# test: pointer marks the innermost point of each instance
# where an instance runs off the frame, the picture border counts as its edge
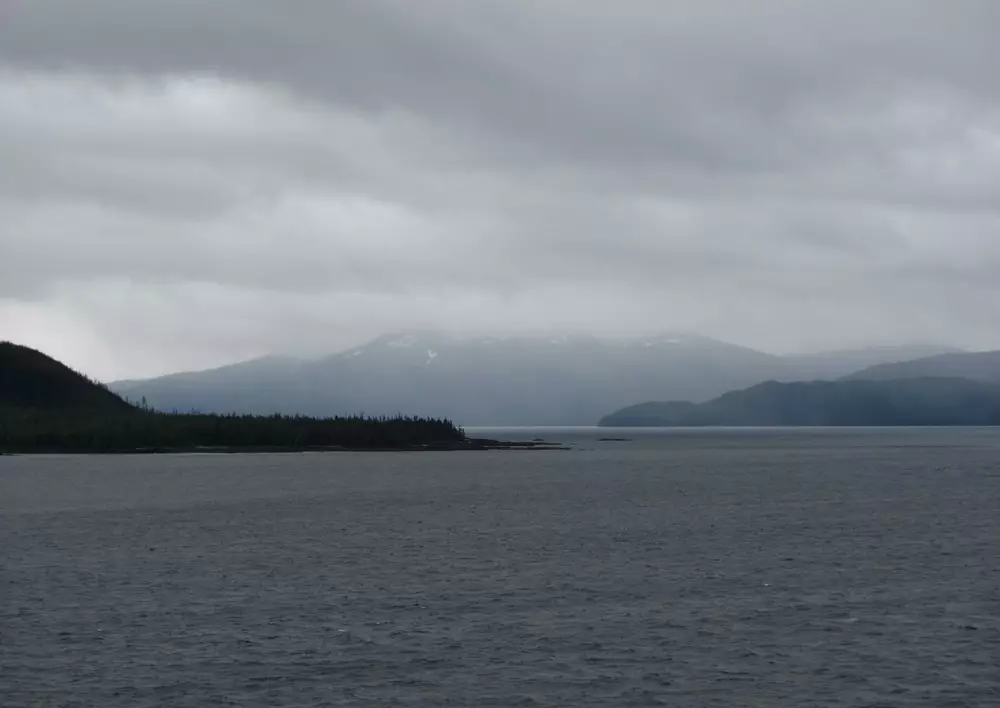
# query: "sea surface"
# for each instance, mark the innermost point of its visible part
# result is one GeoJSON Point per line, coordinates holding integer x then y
{"type": "Point", "coordinates": [678, 568]}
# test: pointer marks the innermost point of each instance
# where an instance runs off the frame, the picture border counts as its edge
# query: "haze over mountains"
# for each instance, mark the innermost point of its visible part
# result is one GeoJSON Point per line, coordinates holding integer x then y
{"type": "Point", "coordinates": [539, 380]}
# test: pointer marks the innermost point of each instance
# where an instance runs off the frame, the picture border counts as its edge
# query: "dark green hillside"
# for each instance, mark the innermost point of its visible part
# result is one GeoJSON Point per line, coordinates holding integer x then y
{"type": "Point", "coordinates": [926, 401]}
{"type": "Point", "coordinates": [30, 379]}
{"type": "Point", "coordinates": [47, 407]}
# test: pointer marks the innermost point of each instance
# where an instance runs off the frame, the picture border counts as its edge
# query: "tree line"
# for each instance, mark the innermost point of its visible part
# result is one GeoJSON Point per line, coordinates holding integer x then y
{"type": "Point", "coordinates": [68, 431]}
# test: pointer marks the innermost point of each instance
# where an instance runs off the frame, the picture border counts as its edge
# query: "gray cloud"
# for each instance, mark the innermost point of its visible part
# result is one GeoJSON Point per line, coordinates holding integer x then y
{"type": "Point", "coordinates": [789, 174]}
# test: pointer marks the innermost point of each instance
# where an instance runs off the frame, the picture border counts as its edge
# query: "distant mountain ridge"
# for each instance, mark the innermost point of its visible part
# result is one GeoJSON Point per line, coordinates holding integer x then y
{"type": "Point", "coordinates": [898, 402]}
{"type": "Point", "coordinates": [565, 379]}
{"type": "Point", "coordinates": [844, 362]}
{"type": "Point", "coordinates": [977, 366]}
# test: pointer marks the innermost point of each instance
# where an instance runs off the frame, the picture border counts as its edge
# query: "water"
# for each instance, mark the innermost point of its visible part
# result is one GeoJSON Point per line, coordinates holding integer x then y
{"type": "Point", "coordinates": [683, 568]}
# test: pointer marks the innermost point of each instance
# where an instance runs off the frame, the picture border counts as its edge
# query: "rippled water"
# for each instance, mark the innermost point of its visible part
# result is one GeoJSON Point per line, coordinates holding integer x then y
{"type": "Point", "coordinates": [709, 568]}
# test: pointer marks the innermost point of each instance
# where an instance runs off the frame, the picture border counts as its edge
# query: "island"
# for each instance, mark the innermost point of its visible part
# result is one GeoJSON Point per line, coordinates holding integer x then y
{"type": "Point", "coordinates": [47, 407]}
{"type": "Point", "coordinates": [929, 401]}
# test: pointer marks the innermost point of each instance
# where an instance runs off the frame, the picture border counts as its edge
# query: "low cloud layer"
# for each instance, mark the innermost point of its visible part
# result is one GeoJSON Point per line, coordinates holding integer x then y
{"type": "Point", "coordinates": [189, 183]}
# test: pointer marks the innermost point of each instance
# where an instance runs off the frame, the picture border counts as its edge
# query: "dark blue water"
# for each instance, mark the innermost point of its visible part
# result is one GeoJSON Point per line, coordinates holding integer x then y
{"type": "Point", "coordinates": [681, 568]}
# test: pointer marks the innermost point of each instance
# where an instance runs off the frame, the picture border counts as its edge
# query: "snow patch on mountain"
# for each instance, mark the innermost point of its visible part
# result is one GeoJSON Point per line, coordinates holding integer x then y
{"type": "Point", "coordinates": [404, 342]}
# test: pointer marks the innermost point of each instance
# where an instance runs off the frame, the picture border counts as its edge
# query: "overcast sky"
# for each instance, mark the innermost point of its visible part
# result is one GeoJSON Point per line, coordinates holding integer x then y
{"type": "Point", "coordinates": [185, 183]}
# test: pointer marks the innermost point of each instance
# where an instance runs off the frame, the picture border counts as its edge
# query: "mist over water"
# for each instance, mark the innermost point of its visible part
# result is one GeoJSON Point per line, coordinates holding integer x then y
{"type": "Point", "coordinates": [694, 568]}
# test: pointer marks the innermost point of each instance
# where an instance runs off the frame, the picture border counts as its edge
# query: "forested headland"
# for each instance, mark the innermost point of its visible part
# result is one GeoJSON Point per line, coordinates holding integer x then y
{"type": "Point", "coordinates": [46, 407]}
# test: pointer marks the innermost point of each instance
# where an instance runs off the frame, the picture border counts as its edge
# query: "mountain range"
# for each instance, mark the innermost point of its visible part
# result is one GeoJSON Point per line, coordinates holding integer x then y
{"type": "Point", "coordinates": [550, 380]}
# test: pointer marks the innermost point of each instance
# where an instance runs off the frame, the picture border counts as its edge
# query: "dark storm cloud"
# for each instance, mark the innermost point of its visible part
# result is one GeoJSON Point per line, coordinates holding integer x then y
{"type": "Point", "coordinates": [783, 172]}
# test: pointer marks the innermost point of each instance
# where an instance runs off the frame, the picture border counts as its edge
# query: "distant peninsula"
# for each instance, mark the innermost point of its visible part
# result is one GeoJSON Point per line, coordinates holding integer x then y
{"type": "Point", "coordinates": [46, 407]}
{"type": "Point", "coordinates": [904, 402]}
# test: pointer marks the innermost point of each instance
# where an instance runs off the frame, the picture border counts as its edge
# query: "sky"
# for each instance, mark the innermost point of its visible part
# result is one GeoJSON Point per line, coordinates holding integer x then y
{"type": "Point", "coordinates": [187, 183]}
